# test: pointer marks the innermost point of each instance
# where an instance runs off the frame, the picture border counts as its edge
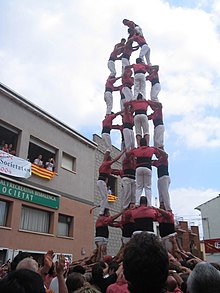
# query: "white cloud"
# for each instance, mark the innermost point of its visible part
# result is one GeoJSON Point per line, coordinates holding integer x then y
{"type": "Point", "coordinates": [59, 54]}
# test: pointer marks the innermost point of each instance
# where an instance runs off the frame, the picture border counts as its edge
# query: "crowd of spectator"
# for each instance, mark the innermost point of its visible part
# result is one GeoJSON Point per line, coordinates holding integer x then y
{"type": "Point", "coordinates": [8, 148]}
{"type": "Point", "coordinates": [49, 164]}
{"type": "Point", "coordinates": [145, 266]}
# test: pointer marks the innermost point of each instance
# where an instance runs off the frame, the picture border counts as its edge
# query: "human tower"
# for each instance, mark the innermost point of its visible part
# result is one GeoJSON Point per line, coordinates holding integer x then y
{"type": "Point", "coordinates": [134, 104]}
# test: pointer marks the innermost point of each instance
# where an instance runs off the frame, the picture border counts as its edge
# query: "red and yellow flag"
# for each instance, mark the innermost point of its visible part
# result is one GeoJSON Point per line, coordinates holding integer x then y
{"type": "Point", "coordinates": [42, 172]}
{"type": "Point", "coordinates": [112, 198]}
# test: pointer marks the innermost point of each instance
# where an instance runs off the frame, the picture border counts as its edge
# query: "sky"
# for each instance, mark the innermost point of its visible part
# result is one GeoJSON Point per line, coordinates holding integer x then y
{"type": "Point", "coordinates": [54, 53]}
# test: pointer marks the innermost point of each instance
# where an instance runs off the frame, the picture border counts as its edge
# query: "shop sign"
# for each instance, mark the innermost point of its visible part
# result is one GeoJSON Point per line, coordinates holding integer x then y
{"type": "Point", "coordinates": [22, 192]}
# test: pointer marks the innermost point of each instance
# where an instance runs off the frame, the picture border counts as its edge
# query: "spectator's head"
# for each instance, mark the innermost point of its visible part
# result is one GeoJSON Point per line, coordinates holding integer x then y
{"type": "Point", "coordinates": [22, 281]}
{"type": "Point", "coordinates": [78, 269]}
{"type": "Point", "coordinates": [107, 259]}
{"type": "Point", "coordinates": [112, 267]}
{"type": "Point", "coordinates": [21, 255]}
{"type": "Point", "coordinates": [204, 279]}
{"type": "Point", "coordinates": [97, 273]}
{"type": "Point", "coordinates": [143, 142]}
{"type": "Point", "coordinates": [145, 264]}
{"type": "Point", "coordinates": [143, 201]}
{"type": "Point", "coordinates": [87, 289]}
{"type": "Point", "coordinates": [74, 281]}
{"type": "Point", "coordinates": [123, 41]}
{"type": "Point", "coordinates": [28, 263]}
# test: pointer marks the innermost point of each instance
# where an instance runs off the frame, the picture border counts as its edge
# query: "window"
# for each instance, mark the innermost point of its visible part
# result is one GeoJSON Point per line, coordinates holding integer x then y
{"type": "Point", "coordinates": [4, 208]}
{"type": "Point", "coordinates": [65, 225]}
{"type": "Point", "coordinates": [35, 220]}
{"type": "Point", "coordinates": [9, 136]}
{"type": "Point", "coordinates": [68, 162]}
{"type": "Point", "coordinates": [112, 185]}
{"type": "Point", "coordinates": [37, 147]}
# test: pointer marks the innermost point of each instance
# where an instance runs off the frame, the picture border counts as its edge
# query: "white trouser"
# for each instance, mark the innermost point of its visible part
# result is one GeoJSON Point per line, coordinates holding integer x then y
{"type": "Point", "coordinates": [125, 240]}
{"type": "Point", "coordinates": [139, 85]}
{"type": "Point", "coordinates": [103, 194]}
{"type": "Point", "coordinates": [159, 136]}
{"type": "Point", "coordinates": [145, 52]}
{"type": "Point", "coordinates": [163, 184]}
{"type": "Point", "coordinates": [122, 102]}
{"type": "Point", "coordinates": [141, 124]}
{"type": "Point", "coordinates": [155, 89]}
{"type": "Point", "coordinates": [128, 138]}
{"type": "Point", "coordinates": [128, 192]}
{"type": "Point", "coordinates": [107, 141]}
{"type": "Point", "coordinates": [138, 30]}
{"type": "Point", "coordinates": [125, 62]}
{"type": "Point", "coordinates": [111, 67]}
{"type": "Point", "coordinates": [143, 181]}
{"type": "Point", "coordinates": [109, 102]}
{"type": "Point", "coordinates": [101, 240]}
{"type": "Point", "coordinates": [128, 94]}
{"type": "Point", "coordinates": [167, 243]}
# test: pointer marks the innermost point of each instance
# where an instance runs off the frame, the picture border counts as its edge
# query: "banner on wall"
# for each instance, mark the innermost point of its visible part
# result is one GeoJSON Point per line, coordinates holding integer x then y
{"type": "Point", "coordinates": [42, 172]}
{"type": "Point", "coordinates": [212, 245]}
{"type": "Point", "coordinates": [14, 166]}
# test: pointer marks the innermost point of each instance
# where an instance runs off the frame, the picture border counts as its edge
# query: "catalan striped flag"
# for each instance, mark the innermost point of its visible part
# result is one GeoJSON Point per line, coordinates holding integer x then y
{"type": "Point", "coordinates": [42, 172]}
{"type": "Point", "coordinates": [112, 198]}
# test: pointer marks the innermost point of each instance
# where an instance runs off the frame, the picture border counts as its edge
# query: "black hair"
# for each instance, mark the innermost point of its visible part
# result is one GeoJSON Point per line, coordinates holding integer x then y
{"type": "Point", "coordinates": [143, 142]}
{"type": "Point", "coordinates": [139, 96]}
{"type": "Point", "coordinates": [20, 256]}
{"type": "Point", "coordinates": [143, 200]}
{"type": "Point", "coordinates": [78, 269]}
{"type": "Point", "coordinates": [74, 281]}
{"type": "Point", "coordinates": [139, 60]}
{"type": "Point", "coordinates": [22, 281]}
{"type": "Point", "coordinates": [145, 264]}
{"type": "Point", "coordinates": [97, 273]}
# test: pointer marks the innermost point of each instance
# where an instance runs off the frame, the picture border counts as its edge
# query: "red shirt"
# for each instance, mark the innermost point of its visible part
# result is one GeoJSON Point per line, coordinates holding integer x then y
{"type": "Point", "coordinates": [144, 151]}
{"type": "Point", "coordinates": [162, 219]}
{"type": "Point", "coordinates": [107, 122]}
{"type": "Point", "coordinates": [103, 221]}
{"type": "Point", "coordinates": [121, 286]}
{"type": "Point", "coordinates": [106, 167]}
{"type": "Point", "coordinates": [110, 84]}
{"type": "Point", "coordinates": [138, 39]}
{"type": "Point", "coordinates": [127, 80]}
{"type": "Point", "coordinates": [127, 118]}
{"type": "Point", "coordinates": [118, 49]}
{"type": "Point", "coordinates": [153, 75]}
{"type": "Point", "coordinates": [140, 67]}
{"type": "Point", "coordinates": [139, 105]}
{"type": "Point", "coordinates": [128, 163]}
{"type": "Point", "coordinates": [126, 217]}
{"type": "Point", "coordinates": [157, 114]}
{"type": "Point", "coordinates": [144, 212]}
{"type": "Point", "coordinates": [161, 161]}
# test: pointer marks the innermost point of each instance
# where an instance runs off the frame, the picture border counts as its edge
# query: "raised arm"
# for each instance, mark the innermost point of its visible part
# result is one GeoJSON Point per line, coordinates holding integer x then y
{"type": "Point", "coordinates": [118, 157]}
